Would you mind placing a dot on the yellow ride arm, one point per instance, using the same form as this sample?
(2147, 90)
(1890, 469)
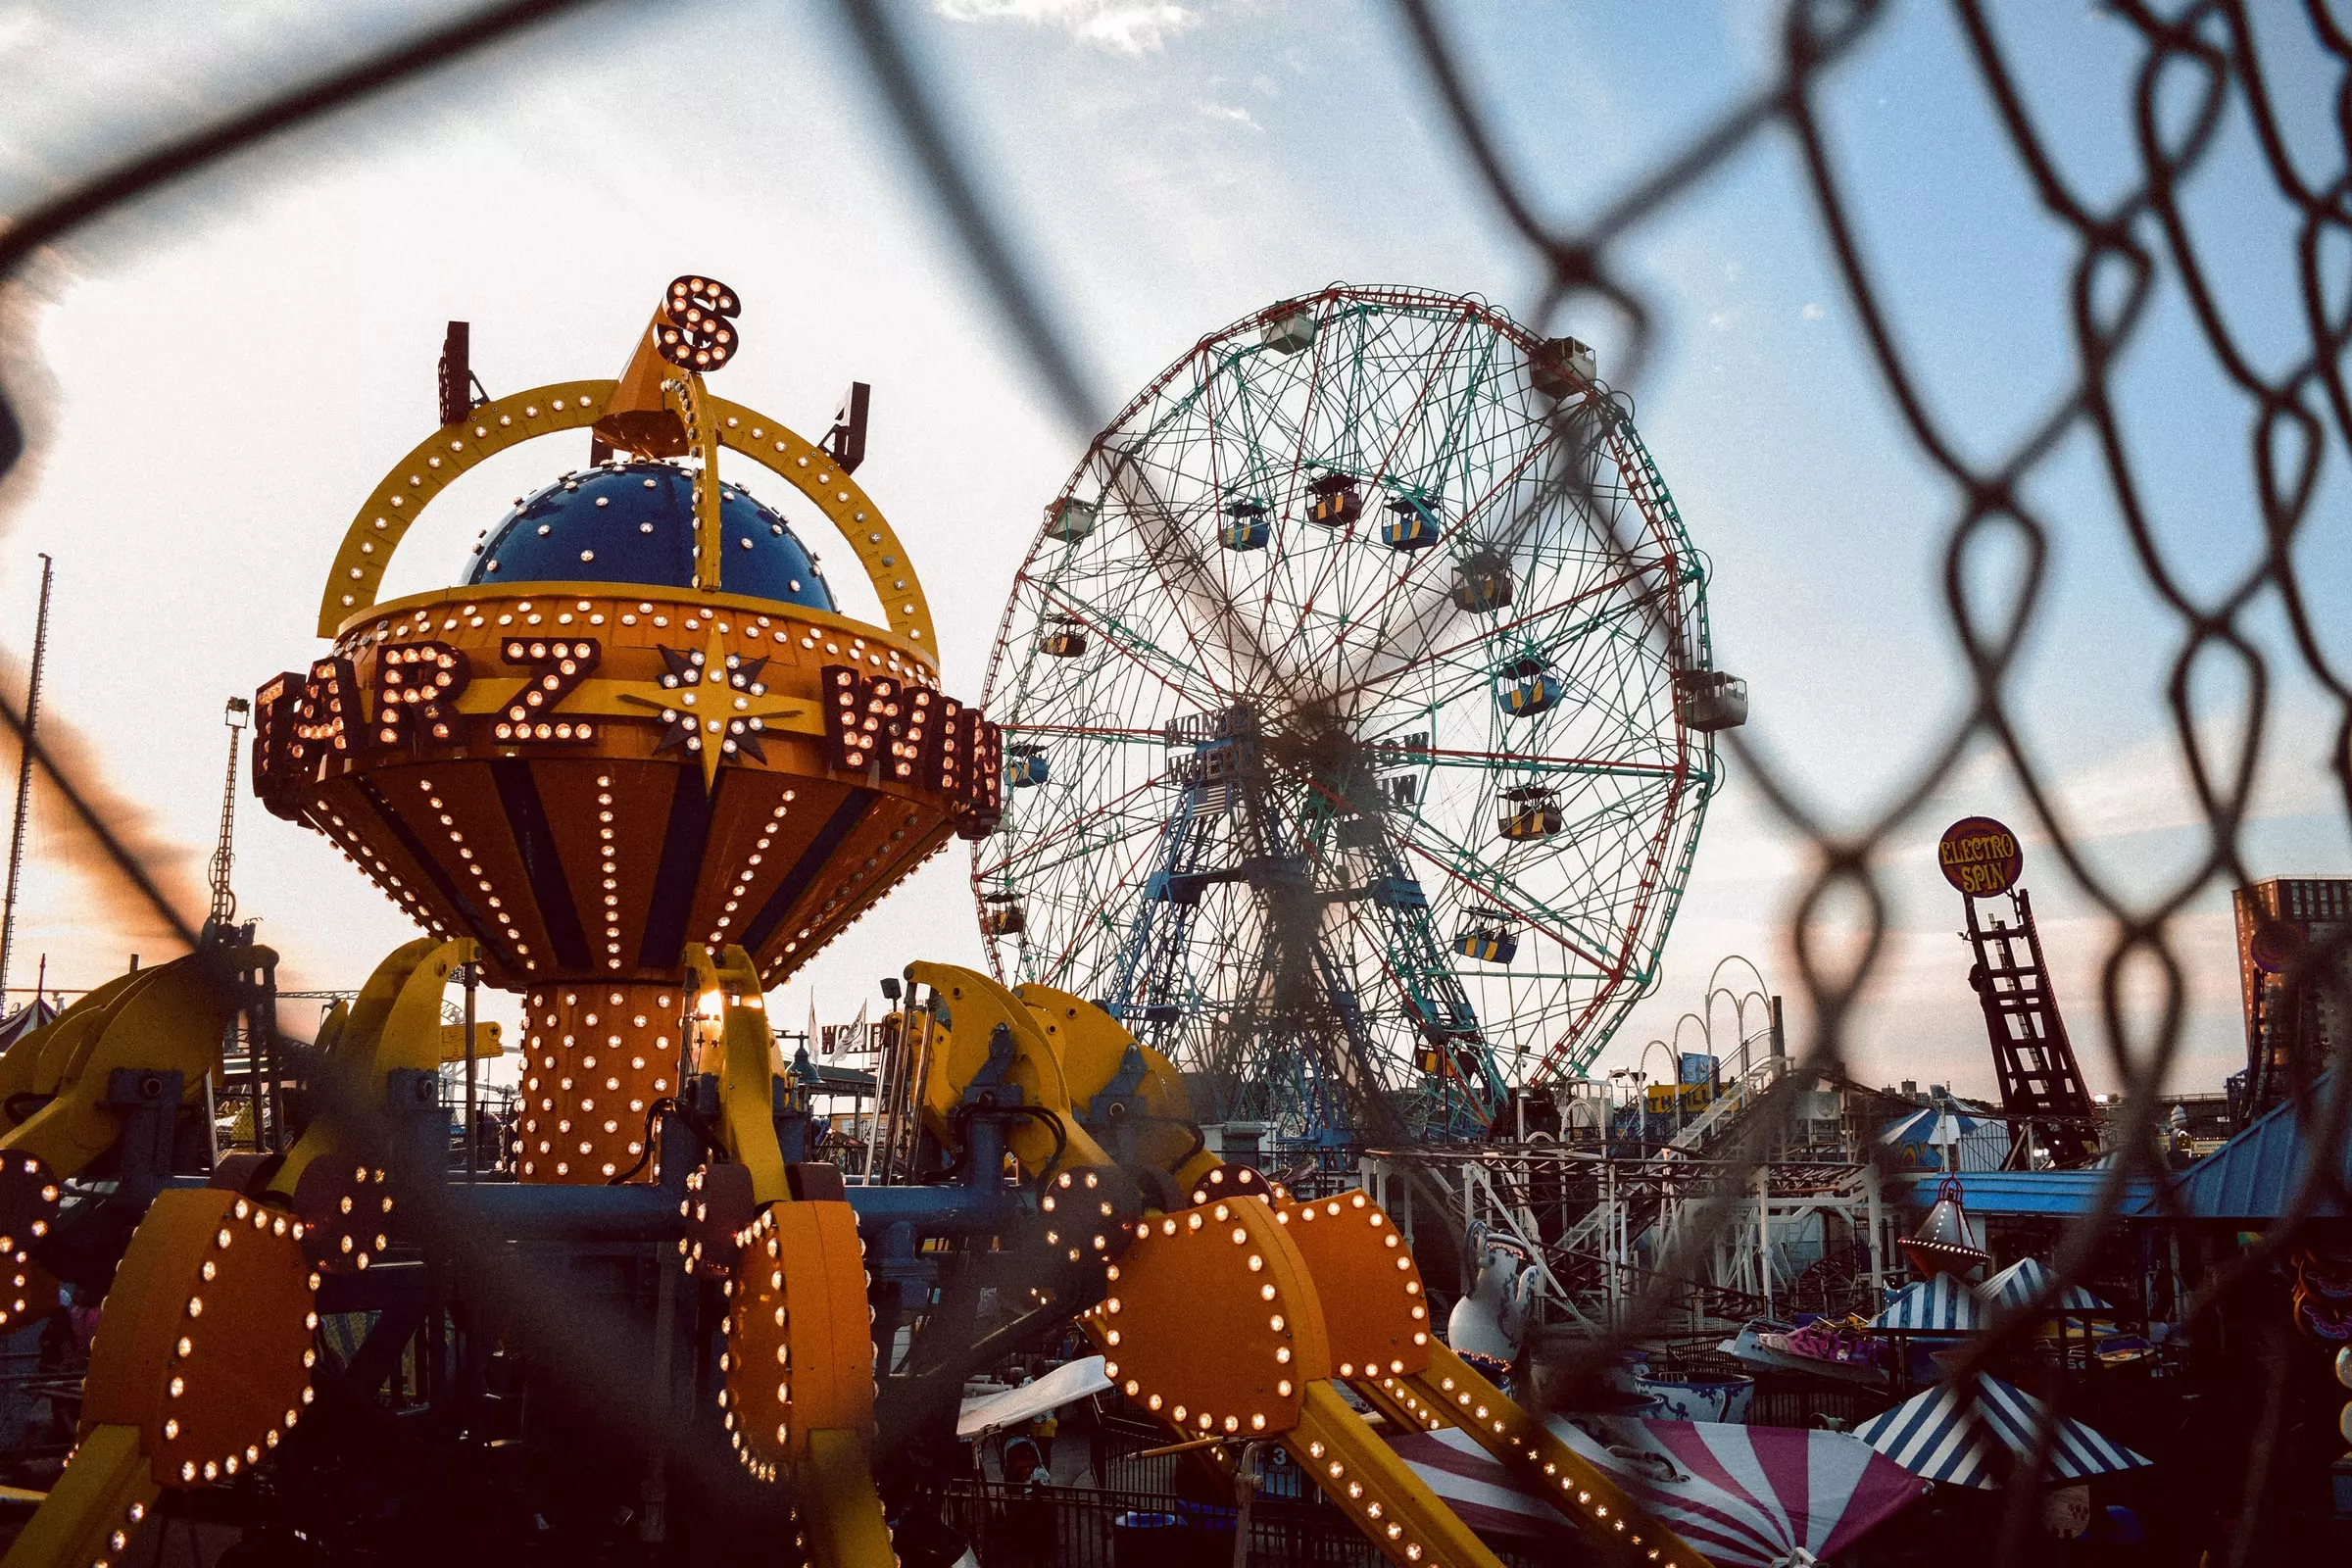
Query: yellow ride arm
(1093, 1048)
(96, 1506)
(1455, 1391)
(394, 1022)
(200, 1365)
(34, 1064)
(166, 1019)
(1378, 1318)
(746, 1096)
(977, 1027)
(799, 1399)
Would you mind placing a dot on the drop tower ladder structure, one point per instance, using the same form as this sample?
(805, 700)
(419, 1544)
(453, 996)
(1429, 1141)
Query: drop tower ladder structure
(2042, 1085)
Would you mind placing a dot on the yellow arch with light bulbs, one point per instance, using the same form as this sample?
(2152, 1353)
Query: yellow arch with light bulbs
(404, 492)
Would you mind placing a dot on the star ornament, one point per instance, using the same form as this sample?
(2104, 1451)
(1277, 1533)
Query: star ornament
(712, 704)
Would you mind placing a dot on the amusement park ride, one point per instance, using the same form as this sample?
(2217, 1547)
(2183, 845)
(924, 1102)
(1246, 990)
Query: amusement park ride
(2052, 1118)
(638, 768)
(1360, 688)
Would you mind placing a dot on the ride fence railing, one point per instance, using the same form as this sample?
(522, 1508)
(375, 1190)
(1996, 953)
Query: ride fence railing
(1011, 1526)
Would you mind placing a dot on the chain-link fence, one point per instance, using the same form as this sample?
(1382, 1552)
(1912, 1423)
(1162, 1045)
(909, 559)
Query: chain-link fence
(2200, 67)
(2267, 1406)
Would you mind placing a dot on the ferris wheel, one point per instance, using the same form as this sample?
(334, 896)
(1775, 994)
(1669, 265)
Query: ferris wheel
(1358, 705)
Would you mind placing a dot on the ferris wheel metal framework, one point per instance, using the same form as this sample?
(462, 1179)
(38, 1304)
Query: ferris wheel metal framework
(1359, 704)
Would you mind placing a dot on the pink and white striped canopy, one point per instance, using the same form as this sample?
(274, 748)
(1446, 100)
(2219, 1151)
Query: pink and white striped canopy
(1758, 1496)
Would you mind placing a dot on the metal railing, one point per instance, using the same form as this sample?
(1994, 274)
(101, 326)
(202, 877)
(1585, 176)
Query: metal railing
(1080, 1527)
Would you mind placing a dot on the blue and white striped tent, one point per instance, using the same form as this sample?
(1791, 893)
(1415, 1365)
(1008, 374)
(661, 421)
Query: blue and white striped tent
(1937, 1304)
(2028, 1279)
(1940, 1137)
(1945, 1435)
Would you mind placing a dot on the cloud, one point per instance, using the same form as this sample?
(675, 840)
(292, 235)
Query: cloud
(1812, 311)
(19, 28)
(1233, 112)
(1123, 26)
(2148, 786)
(102, 897)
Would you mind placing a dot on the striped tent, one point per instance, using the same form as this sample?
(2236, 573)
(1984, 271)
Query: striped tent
(1746, 1496)
(1943, 1435)
(2029, 1279)
(1940, 1137)
(1937, 1304)
(34, 1014)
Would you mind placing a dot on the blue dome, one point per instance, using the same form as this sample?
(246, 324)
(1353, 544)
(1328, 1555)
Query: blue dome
(633, 522)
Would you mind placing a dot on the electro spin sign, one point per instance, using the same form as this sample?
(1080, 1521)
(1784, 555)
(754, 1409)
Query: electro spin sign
(1980, 857)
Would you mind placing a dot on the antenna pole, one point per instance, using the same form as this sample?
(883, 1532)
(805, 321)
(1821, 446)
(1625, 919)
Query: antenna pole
(32, 713)
(473, 1151)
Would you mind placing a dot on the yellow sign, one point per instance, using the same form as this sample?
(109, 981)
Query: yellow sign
(1980, 857)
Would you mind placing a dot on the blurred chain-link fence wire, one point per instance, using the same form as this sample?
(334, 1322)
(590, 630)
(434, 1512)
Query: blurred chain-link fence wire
(2199, 64)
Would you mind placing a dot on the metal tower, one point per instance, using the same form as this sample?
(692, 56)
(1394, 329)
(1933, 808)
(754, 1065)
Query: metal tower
(32, 713)
(1299, 1047)
(2041, 1086)
(224, 902)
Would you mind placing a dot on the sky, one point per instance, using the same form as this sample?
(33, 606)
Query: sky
(219, 373)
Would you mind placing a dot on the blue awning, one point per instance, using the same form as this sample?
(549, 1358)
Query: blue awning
(2059, 1193)
(1947, 1435)
(2254, 1176)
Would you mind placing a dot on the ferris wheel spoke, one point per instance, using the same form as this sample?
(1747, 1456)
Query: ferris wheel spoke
(1421, 584)
(1189, 585)
(1402, 423)
(1407, 422)
(1130, 633)
(1477, 640)
(1590, 1029)
(1406, 426)
(1581, 684)
(1334, 555)
(1535, 762)
(1196, 586)
(1096, 915)
(1077, 854)
(1227, 634)
(1074, 827)
(1394, 462)
(1420, 996)
(1533, 628)
(1228, 488)
(1288, 500)
(1488, 883)
(1046, 678)
(1095, 732)
(1461, 527)
(1117, 637)
(1271, 427)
